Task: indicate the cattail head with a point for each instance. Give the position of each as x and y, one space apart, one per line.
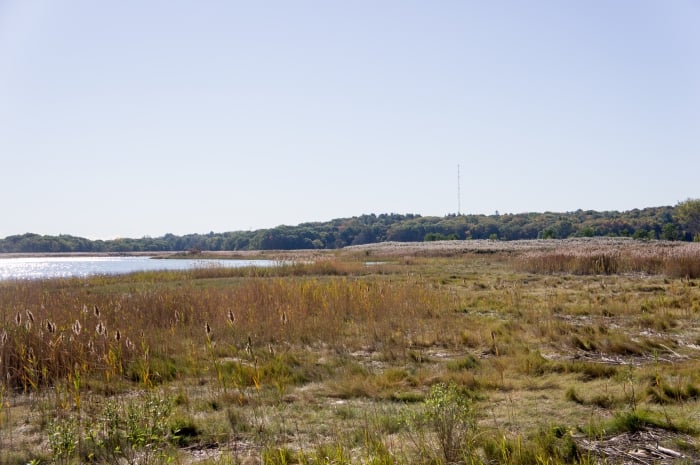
96 310
101 329
85 308
231 317
18 319
30 315
249 346
76 328
50 327
117 336
284 318
207 329
129 345
3 338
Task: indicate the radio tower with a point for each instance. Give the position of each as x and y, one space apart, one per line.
459 195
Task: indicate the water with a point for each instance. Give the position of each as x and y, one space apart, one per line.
65 267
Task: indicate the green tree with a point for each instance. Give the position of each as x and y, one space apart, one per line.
669 232
688 215
433 236
586 231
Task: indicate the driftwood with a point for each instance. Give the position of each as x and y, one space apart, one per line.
638 448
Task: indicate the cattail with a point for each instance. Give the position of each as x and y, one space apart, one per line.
117 336
18 319
129 345
231 317
97 311
3 338
50 327
91 346
85 308
100 329
283 318
77 328
207 328
249 346
30 315
495 346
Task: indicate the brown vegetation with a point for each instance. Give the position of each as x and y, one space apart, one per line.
521 353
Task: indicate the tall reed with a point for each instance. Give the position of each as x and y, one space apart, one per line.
678 261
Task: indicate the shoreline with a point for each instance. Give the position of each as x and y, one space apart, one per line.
378 248
84 254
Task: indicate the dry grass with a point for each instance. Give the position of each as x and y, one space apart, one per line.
677 260
326 361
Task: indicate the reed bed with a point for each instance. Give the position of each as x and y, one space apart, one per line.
675 261
52 333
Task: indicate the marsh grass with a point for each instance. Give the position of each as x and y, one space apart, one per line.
677 260
323 361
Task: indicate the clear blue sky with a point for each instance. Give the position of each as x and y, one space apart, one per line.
135 118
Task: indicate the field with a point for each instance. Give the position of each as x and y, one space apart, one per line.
475 352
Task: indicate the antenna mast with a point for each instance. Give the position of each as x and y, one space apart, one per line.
459 195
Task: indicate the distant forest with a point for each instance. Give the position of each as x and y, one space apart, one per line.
679 223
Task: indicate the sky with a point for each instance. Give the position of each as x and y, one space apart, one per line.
140 118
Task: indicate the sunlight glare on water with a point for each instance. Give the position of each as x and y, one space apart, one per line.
64 267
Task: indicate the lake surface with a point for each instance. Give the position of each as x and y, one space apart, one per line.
66 267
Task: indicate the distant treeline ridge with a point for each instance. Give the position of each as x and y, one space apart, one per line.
668 223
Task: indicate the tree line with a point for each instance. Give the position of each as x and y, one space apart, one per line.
681 222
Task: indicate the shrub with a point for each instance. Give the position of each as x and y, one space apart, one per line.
450 412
